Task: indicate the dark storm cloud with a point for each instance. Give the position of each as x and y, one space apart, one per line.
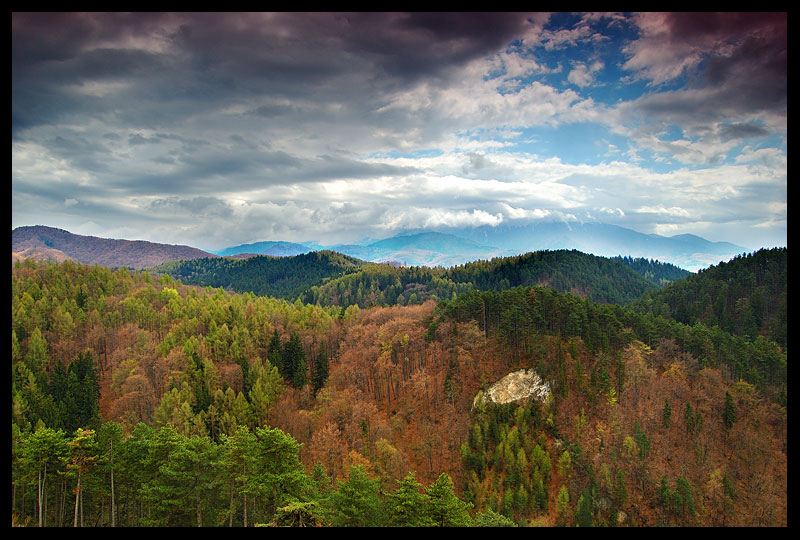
741 131
739 67
238 120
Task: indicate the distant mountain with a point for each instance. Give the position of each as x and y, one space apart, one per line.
453 246
684 250
274 248
424 249
413 249
48 243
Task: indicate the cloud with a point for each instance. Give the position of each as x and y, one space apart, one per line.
582 74
223 128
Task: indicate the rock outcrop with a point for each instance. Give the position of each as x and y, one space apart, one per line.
516 386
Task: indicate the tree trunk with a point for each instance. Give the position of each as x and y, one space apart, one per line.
39 496
44 498
77 498
230 517
113 505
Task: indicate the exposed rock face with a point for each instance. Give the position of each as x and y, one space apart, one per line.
516 386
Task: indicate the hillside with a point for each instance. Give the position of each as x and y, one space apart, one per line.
328 278
281 277
650 421
596 278
48 243
745 296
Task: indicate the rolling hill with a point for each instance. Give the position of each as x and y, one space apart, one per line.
49 243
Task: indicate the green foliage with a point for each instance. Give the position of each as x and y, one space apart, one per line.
490 518
405 506
320 369
745 296
279 277
445 508
354 502
583 510
666 414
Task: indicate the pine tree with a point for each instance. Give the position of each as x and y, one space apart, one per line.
666 415
445 508
405 507
729 413
321 369
275 352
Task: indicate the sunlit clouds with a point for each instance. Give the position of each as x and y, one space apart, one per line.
214 130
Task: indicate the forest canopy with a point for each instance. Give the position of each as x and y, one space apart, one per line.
139 400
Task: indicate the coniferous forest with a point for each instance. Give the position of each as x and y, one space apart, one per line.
344 395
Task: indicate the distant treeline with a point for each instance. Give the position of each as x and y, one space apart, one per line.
329 278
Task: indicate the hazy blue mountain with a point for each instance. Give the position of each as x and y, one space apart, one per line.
413 249
685 250
453 246
433 249
274 248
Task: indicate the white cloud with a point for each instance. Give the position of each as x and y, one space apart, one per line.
671 211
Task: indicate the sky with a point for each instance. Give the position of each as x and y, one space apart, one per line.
218 129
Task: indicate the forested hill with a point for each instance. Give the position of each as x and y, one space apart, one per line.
598 279
140 401
656 271
328 278
263 275
745 296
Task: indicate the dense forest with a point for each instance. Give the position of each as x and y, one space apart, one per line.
329 278
745 296
264 275
139 400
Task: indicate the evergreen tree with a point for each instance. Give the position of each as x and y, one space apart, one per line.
729 412
275 353
562 505
294 362
445 508
354 502
666 414
321 369
406 506
583 511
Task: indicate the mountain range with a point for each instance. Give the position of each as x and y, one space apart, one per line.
453 246
445 247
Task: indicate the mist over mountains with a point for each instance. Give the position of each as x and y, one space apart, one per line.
444 247
454 246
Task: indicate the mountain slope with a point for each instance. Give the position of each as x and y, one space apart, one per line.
280 277
49 243
597 278
745 296
686 251
453 246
